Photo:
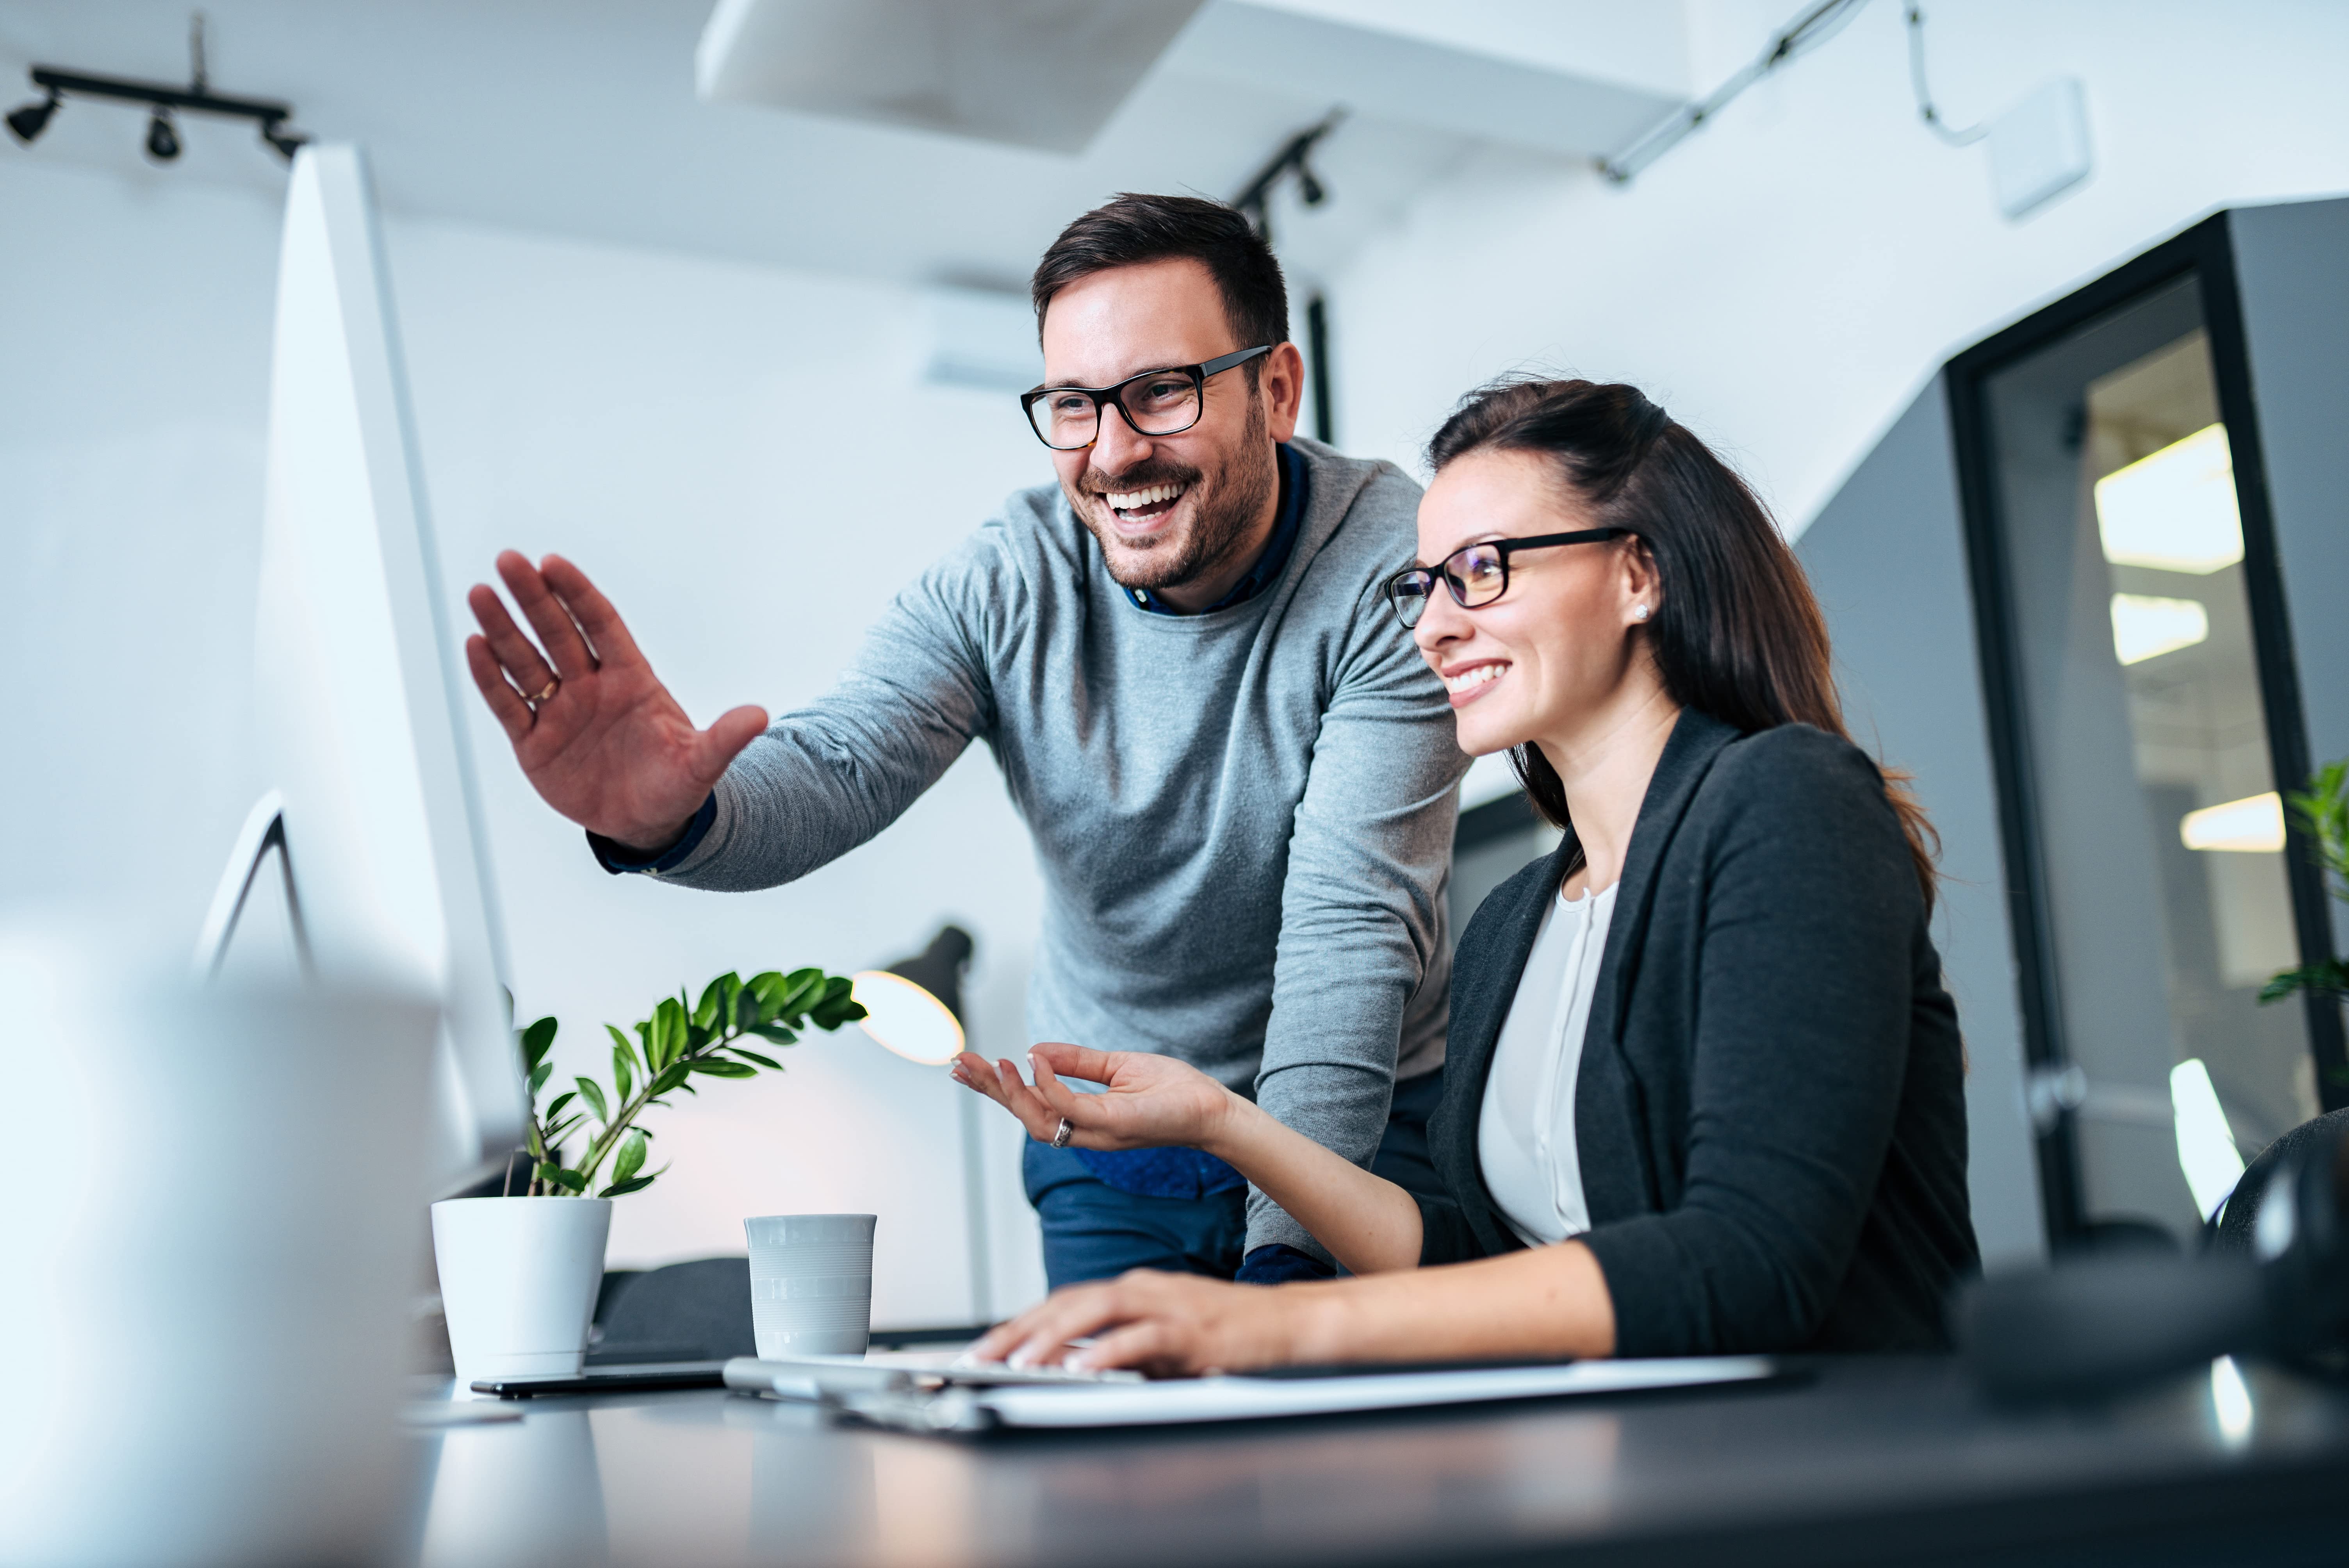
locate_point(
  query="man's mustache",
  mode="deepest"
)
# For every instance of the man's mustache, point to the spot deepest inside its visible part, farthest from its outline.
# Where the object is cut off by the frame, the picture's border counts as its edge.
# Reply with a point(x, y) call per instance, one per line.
point(1141, 477)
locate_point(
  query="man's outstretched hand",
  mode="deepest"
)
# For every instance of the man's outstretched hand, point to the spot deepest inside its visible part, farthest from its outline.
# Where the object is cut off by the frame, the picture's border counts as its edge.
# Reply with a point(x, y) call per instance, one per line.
point(598, 736)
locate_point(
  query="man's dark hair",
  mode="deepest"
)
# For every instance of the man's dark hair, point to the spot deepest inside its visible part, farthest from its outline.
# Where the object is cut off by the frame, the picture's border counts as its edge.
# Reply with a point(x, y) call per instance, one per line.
point(1132, 230)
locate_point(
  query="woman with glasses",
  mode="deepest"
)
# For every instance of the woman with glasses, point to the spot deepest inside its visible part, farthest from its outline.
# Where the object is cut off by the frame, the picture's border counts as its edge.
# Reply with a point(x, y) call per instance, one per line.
point(1705, 1090)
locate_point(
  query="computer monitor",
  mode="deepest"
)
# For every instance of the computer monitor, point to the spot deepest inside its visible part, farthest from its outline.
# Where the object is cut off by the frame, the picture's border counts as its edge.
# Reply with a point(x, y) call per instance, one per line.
point(372, 812)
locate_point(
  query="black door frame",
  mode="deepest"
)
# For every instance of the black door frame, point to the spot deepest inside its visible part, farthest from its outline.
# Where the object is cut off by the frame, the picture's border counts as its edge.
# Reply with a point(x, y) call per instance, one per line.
point(2206, 253)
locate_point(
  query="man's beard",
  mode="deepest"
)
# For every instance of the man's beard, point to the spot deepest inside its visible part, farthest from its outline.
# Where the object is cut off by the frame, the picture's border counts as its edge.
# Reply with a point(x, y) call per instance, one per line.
point(1223, 510)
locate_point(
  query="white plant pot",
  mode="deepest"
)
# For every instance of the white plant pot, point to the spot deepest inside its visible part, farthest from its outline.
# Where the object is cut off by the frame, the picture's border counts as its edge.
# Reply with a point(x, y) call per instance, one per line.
point(518, 1280)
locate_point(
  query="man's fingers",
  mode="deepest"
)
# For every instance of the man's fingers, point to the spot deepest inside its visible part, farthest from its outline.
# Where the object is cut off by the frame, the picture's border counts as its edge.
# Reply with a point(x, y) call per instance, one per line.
point(523, 663)
point(563, 645)
point(723, 741)
point(593, 613)
point(513, 713)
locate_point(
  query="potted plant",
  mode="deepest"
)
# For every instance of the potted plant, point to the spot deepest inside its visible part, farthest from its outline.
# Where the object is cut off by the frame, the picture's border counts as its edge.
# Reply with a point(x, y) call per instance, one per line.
point(2324, 811)
point(519, 1274)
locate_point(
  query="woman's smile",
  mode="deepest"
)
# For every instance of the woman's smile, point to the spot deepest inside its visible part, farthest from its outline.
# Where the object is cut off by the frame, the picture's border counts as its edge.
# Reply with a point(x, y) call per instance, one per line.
point(1469, 681)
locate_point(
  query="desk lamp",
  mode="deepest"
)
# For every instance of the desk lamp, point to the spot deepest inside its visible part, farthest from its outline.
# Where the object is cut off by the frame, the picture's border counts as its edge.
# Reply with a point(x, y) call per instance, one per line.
point(914, 1008)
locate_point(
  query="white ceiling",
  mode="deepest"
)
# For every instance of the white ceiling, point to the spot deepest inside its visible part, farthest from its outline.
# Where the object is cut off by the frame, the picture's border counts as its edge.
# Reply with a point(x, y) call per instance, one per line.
point(579, 117)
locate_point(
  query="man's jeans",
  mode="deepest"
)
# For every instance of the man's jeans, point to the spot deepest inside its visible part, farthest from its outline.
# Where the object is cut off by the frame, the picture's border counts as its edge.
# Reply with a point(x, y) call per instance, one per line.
point(1093, 1231)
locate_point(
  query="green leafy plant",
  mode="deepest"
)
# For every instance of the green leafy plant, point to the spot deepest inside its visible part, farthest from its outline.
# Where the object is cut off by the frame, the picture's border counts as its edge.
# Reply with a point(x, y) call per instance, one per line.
point(680, 1039)
point(2324, 810)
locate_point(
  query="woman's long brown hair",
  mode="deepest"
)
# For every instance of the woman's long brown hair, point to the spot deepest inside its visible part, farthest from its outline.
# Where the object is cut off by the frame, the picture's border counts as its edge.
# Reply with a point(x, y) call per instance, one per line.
point(1739, 635)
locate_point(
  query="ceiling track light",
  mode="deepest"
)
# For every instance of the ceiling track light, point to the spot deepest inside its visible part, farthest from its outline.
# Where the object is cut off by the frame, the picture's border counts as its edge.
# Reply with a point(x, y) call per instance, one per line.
point(162, 142)
point(1255, 199)
point(271, 116)
point(27, 123)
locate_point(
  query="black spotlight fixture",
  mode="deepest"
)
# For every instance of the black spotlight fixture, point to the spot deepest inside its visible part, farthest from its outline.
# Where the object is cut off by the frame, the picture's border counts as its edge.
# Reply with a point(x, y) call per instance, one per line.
point(162, 142)
point(272, 116)
point(27, 123)
point(287, 143)
point(1255, 199)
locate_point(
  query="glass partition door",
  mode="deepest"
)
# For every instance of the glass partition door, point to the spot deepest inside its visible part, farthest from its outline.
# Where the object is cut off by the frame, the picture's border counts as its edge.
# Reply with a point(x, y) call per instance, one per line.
point(2146, 836)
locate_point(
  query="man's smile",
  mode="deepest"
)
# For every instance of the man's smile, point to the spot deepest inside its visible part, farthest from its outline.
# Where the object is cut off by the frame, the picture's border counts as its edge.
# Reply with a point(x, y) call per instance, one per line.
point(1140, 511)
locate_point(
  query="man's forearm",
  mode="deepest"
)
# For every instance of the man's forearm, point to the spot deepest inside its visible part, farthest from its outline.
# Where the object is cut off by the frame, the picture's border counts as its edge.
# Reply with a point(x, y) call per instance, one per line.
point(1368, 1223)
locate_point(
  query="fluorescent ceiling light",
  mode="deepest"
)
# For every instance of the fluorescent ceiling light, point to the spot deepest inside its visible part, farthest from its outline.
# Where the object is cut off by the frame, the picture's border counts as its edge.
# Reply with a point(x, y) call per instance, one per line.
point(2145, 628)
point(2206, 1149)
point(2175, 511)
point(2253, 825)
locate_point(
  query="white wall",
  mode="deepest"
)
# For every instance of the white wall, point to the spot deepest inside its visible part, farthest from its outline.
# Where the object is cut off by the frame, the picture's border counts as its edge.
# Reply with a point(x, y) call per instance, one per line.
point(746, 461)
point(1785, 278)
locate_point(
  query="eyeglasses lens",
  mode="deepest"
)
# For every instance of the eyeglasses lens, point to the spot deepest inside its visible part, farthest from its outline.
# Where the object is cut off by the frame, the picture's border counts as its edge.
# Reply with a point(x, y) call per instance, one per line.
point(1066, 420)
point(1408, 592)
point(1155, 404)
point(1477, 574)
point(1161, 405)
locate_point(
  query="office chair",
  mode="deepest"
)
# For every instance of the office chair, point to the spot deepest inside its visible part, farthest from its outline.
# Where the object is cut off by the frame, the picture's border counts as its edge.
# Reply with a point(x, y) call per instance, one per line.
point(697, 1311)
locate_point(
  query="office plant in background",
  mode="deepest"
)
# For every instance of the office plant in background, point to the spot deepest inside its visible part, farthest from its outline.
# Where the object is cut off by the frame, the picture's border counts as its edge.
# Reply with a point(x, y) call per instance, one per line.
point(2324, 810)
point(519, 1274)
point(679, 1040)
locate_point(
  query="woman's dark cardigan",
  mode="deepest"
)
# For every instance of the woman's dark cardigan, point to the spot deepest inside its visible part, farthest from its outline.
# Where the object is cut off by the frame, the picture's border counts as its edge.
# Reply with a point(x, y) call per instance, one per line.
point(1771, 1110)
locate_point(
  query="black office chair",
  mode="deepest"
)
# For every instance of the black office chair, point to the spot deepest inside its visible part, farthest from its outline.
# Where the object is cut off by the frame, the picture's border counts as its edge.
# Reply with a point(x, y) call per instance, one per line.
point(699, 1311)
point(2230, 1230)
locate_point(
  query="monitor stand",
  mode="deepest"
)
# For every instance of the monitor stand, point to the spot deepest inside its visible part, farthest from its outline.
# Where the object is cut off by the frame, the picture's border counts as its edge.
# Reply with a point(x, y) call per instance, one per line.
point(263, 831)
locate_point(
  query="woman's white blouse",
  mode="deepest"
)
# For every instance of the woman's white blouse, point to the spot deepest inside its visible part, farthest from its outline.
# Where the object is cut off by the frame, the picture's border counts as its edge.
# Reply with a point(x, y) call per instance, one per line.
point(1525, 1139)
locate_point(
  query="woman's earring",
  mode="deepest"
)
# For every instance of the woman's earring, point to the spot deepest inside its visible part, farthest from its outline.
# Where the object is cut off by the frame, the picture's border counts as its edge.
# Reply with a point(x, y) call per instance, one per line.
point(1639, 612)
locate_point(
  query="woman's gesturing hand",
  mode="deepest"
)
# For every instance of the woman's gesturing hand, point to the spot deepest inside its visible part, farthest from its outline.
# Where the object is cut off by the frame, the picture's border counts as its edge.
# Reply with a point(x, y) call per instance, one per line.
point(1164, 1324)
point(1152, 1101)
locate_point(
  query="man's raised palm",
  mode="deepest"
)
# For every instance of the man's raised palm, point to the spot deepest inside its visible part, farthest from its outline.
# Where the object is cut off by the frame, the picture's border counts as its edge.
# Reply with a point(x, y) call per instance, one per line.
point(607, 745)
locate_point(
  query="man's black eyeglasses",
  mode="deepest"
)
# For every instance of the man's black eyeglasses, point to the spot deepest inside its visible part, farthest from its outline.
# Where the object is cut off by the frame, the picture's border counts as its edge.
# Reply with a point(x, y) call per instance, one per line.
point(1154, 402)
point(1478, 573)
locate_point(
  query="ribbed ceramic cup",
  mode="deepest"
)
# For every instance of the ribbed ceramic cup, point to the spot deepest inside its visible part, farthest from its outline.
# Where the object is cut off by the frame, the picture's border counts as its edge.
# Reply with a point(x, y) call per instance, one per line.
point(810, 1284)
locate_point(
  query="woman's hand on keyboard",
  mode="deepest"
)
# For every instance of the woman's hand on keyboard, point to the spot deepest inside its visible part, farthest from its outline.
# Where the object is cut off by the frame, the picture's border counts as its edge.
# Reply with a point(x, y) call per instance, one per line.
point(1149, 1102)
point(1164, 1324)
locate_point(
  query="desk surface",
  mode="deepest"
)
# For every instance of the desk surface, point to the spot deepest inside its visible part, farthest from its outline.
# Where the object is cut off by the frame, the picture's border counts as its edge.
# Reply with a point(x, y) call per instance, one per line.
point(1867, 1461)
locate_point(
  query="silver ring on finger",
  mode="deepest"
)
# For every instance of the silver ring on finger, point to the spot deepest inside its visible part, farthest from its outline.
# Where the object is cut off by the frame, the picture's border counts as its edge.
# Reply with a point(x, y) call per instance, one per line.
point(554, 685)
point(1066, 1132)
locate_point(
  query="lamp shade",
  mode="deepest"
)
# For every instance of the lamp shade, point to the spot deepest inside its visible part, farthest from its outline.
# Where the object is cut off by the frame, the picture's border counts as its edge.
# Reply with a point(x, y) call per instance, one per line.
point(914, 1008)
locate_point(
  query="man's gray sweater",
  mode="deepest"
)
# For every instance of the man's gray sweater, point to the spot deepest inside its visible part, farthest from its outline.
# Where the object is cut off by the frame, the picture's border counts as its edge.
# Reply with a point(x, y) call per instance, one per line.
point(1244, 818)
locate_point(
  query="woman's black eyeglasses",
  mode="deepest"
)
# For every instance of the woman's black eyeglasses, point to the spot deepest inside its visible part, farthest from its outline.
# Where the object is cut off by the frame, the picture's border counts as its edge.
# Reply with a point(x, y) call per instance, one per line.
point(1154, 402)
point(1478, 573)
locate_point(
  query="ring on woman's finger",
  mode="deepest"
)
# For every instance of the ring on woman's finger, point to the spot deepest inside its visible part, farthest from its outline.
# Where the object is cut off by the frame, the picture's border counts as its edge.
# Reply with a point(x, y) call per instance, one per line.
point(1067, 1130)
point(554, 684)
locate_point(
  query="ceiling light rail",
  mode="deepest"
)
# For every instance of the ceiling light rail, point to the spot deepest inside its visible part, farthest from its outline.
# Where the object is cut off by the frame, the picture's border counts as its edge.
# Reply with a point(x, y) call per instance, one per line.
point(1256, 199)
point(271, 115)
point(1806, 32)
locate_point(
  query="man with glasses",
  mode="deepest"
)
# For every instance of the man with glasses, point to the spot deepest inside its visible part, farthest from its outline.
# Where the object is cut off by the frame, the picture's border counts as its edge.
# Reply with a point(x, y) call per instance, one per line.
point(1240, 774)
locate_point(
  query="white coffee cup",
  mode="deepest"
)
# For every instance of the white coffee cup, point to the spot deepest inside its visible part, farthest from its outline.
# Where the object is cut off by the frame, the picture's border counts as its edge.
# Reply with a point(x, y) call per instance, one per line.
point(810, 1284)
